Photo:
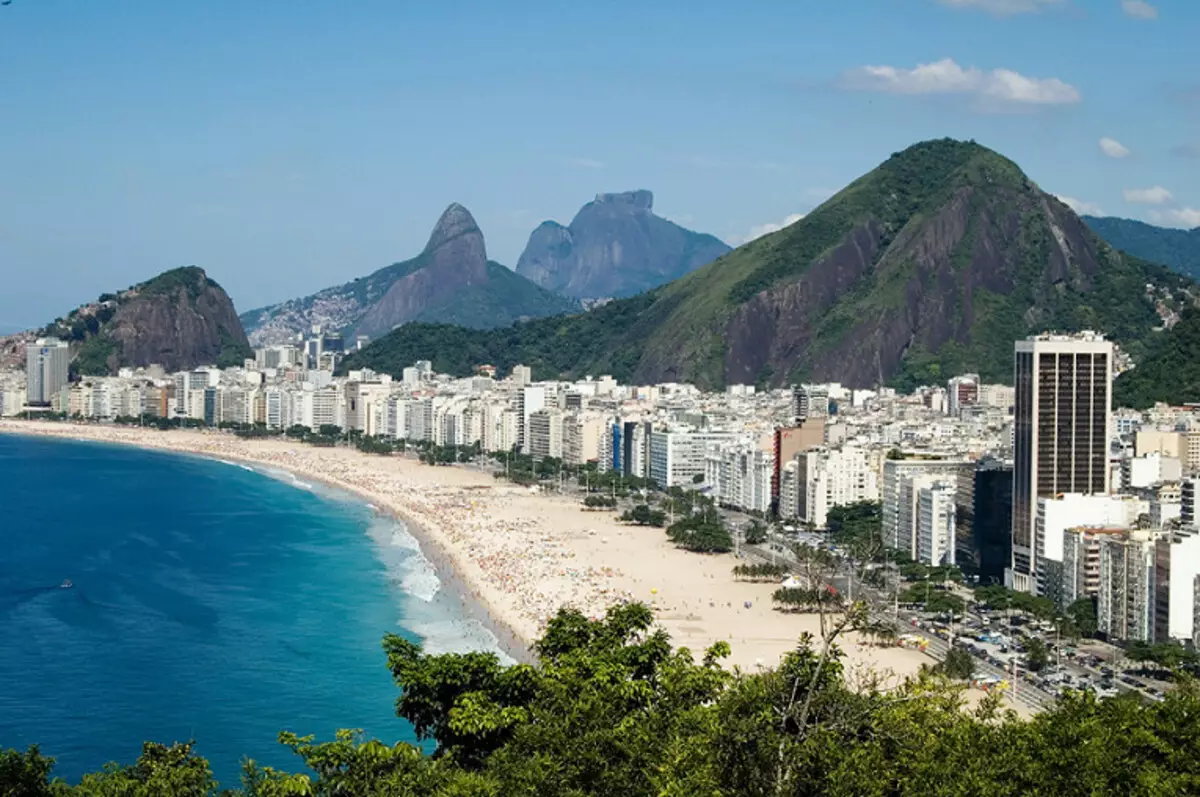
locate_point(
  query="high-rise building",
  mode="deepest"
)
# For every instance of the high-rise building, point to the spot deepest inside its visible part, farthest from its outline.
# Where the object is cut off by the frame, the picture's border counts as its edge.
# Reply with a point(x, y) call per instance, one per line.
point(901, 481)
point(983, 526)
point(810, 401)
point(935, 522)
point(47, 365)
point(1062, 412)
point(530, 399)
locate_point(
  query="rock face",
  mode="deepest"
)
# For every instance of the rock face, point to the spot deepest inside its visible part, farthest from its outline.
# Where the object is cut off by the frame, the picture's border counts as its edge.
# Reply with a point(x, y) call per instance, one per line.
point(450, 274)
point(928, 266)
point(181, 319)
point(453, 260)
point(614, 247)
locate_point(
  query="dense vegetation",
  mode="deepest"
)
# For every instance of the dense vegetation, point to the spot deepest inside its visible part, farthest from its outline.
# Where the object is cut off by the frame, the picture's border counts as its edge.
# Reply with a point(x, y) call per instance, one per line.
point(1171, 371)
point(1004, 277)
point(1179, 249)
point(506, 297)
point(612, 709)
point(601, 341)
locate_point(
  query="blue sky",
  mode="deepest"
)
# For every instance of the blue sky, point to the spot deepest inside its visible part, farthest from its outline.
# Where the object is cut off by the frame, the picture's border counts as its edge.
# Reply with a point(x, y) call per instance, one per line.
point(286, 145)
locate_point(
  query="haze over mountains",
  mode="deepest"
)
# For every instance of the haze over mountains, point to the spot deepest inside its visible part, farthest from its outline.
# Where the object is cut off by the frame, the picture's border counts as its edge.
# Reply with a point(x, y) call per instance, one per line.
point(1179, 249)
point(929, 265)
point(451, 280)
point(614, 247)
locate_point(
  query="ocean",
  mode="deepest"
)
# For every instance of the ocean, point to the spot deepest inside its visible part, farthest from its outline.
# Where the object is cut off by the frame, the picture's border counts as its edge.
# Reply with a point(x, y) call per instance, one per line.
point(209, 601)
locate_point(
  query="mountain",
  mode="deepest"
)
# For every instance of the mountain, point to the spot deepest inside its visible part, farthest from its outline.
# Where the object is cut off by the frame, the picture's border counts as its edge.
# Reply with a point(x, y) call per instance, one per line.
point(1179, 249)
point(451, 281)
point(614, 247)
point(1171, 371)
point(181, 319)
point(929, 265)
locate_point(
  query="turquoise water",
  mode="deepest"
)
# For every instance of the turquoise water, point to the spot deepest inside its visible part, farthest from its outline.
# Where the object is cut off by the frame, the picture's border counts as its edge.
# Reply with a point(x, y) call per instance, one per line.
point(209, 601)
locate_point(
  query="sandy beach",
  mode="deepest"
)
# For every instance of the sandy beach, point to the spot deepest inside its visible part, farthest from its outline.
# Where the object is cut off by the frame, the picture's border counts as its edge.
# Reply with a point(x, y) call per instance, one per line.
point(523, 555)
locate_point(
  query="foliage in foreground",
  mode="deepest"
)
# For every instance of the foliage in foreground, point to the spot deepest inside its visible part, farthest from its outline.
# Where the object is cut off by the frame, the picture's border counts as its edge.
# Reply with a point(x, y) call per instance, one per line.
point(612, 709)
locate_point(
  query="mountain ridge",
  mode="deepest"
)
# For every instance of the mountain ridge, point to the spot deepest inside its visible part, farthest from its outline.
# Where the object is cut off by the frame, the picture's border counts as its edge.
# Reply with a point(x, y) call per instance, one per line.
point(930, 264)
point(1179, 249)
point(614, 247)
point(453, 265)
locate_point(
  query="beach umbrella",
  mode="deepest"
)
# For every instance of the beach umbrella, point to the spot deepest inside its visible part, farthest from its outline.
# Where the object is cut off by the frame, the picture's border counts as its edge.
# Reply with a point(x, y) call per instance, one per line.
point(654, 590)
point(748, 604)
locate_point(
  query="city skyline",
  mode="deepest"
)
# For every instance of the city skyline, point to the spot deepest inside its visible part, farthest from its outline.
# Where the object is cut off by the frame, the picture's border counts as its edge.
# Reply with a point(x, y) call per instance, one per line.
point(316, 145)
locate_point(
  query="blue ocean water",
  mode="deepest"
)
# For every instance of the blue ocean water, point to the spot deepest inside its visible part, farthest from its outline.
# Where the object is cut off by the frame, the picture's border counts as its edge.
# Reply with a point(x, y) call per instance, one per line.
point(209, 601)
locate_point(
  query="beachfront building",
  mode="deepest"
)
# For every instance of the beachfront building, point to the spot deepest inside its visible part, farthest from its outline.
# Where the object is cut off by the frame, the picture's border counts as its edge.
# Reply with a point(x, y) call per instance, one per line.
point(530, 399)
point(739, 474)
point(829, 477)
point(545, 435)
point(902, 479)
point(935, 522)
point(677, 457)
point(47, 362)
point(1125, 598)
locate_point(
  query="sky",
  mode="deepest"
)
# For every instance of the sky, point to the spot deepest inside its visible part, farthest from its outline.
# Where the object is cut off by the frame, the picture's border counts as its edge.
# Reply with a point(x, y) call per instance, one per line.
point(288, 145)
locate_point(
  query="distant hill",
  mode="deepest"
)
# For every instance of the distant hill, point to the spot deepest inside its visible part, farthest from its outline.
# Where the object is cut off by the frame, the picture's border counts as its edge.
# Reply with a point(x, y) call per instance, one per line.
point(451, 280)
point(1171, 371)
point(180, 319)
point(1179, 249)
point(930, 265)
point(614, 247)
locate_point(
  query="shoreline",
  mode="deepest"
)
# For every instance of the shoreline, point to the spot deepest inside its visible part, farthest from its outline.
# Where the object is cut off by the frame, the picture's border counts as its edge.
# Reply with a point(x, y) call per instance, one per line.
point(469, 600)
point(517, 557)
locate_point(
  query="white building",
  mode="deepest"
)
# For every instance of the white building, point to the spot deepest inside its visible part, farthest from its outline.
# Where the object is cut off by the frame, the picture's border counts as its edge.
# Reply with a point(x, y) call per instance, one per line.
point(829, 477)
point(1176, 567)
point(47, 366)
point(935, 522)
point(677, 457)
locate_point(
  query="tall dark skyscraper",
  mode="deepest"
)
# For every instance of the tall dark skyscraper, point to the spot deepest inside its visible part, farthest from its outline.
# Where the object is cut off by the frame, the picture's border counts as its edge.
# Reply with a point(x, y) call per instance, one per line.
point(1060, 434)
point(983, 528)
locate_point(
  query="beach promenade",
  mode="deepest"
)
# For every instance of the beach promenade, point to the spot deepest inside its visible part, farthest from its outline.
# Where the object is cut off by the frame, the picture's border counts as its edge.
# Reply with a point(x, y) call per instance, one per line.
point(522, 555)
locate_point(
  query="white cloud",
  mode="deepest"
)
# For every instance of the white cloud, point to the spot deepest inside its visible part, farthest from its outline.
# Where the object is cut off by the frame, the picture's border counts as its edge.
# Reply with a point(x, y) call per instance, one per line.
point(1139, 9)
point(1176, 217)
point(586, 163)
point(760, 230)
point(1081, 207)
point(1113, 148)
point(1003, 8)
point(998, 87)
point(1149, 196)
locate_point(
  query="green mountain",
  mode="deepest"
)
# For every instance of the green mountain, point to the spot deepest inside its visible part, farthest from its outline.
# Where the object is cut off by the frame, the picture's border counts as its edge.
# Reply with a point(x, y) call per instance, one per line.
point(1179, 249)
point(929, 265)
point(180, 319)
point(1169, 373)
point(450, 281)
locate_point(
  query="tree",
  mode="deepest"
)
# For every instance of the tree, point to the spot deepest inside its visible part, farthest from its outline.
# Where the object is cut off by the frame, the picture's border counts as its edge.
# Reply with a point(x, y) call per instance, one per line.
point(612, 708)
point(643, 515)
point(958, 664)
point(1083, 614)
point(1036, 653)
point(701, 534)
point(756, 533)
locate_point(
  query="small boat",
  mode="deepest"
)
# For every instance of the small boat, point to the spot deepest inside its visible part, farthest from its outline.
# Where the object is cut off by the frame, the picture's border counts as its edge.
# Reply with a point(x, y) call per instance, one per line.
point(66, 584)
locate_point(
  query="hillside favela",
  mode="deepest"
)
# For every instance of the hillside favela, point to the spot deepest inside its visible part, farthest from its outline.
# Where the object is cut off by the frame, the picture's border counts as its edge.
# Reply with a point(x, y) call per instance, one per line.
point(841, 437)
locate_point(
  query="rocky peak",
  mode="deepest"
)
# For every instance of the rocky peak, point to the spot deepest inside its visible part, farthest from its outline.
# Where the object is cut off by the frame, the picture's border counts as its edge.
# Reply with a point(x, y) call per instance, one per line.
point(455, 221)
point(640, 199)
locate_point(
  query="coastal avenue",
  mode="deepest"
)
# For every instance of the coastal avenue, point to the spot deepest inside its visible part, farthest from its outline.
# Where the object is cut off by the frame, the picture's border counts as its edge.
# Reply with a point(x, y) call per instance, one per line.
point(777, 550)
